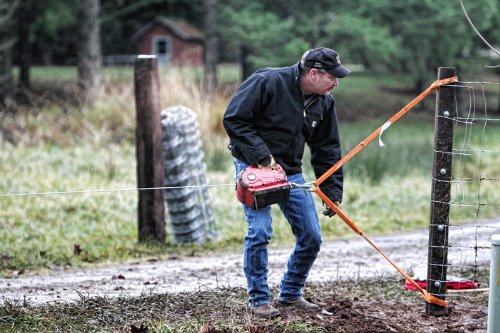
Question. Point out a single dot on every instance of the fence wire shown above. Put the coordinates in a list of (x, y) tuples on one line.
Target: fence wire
[(475, 199)]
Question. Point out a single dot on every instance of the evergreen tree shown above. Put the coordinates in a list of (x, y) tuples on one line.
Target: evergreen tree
[(6, 82)]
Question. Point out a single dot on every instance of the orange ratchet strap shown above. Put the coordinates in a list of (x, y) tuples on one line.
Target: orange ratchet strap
[(428, 297), (391, 121)]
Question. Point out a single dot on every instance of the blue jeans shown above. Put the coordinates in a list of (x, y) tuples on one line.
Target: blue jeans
[(301, 214)]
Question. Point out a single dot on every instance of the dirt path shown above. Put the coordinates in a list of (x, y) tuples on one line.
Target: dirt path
[(341, 259)]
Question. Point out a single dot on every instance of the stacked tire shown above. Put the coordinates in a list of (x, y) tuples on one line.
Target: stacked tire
[(187, 199)]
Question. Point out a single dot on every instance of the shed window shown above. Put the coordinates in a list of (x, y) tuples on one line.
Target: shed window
[(162, 48)]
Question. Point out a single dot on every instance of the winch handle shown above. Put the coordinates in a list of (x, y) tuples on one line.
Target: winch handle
[(305, 186)]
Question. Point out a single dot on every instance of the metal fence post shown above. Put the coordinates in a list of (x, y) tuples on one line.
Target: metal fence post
[(149, 151), (494, 296), (440, 196)]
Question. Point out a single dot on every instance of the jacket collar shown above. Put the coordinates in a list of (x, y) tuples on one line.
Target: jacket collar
[(296, 73)]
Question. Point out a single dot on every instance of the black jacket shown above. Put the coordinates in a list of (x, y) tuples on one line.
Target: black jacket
[(267, 116)]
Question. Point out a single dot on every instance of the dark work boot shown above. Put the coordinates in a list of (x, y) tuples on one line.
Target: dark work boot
[(301, 303), (265, 311)]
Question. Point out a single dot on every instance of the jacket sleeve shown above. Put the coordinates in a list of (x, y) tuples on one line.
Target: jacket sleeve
[(239, 119), (325, 152)]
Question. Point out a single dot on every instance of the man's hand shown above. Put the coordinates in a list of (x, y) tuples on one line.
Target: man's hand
[(329, 212), (267, 162)]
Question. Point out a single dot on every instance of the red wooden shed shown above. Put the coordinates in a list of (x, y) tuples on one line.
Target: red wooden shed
[(174, 42)]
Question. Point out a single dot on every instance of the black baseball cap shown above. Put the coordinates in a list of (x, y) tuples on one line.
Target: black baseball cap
[(326, 59)]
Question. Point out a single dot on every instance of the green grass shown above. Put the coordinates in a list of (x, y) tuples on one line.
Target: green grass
[(226, 73), (368, 98), (43, 230)]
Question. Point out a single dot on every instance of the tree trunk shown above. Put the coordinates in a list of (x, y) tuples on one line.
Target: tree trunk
[(89, 50), (246, 68), (210, 45), (6, 84), (46, 52), (24, 44)]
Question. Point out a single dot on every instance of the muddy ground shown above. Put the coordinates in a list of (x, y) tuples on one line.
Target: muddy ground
[(357, 289), (365, 306), (369, 313)]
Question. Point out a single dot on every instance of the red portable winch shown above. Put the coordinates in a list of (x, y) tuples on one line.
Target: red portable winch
[(257, 188)]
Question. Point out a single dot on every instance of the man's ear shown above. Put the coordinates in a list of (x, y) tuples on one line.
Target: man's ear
[(313, 73)]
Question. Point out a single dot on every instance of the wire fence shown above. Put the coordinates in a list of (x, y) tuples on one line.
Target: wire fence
[(474, 184)]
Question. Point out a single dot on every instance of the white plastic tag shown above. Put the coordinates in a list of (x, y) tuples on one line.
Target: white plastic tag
[(384, 127)]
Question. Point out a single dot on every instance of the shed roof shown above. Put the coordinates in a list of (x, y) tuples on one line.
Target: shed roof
[(179, 27)]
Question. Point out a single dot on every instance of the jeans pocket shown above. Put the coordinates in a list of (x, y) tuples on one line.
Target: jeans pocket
[(239, 166)]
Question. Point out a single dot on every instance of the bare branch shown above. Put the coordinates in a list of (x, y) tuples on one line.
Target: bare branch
[(478, 33)]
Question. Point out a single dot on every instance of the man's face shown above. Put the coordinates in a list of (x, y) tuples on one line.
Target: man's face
[(324, 83)]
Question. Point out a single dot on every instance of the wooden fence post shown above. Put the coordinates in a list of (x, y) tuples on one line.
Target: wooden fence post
[(440, 196), (151, 209)]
